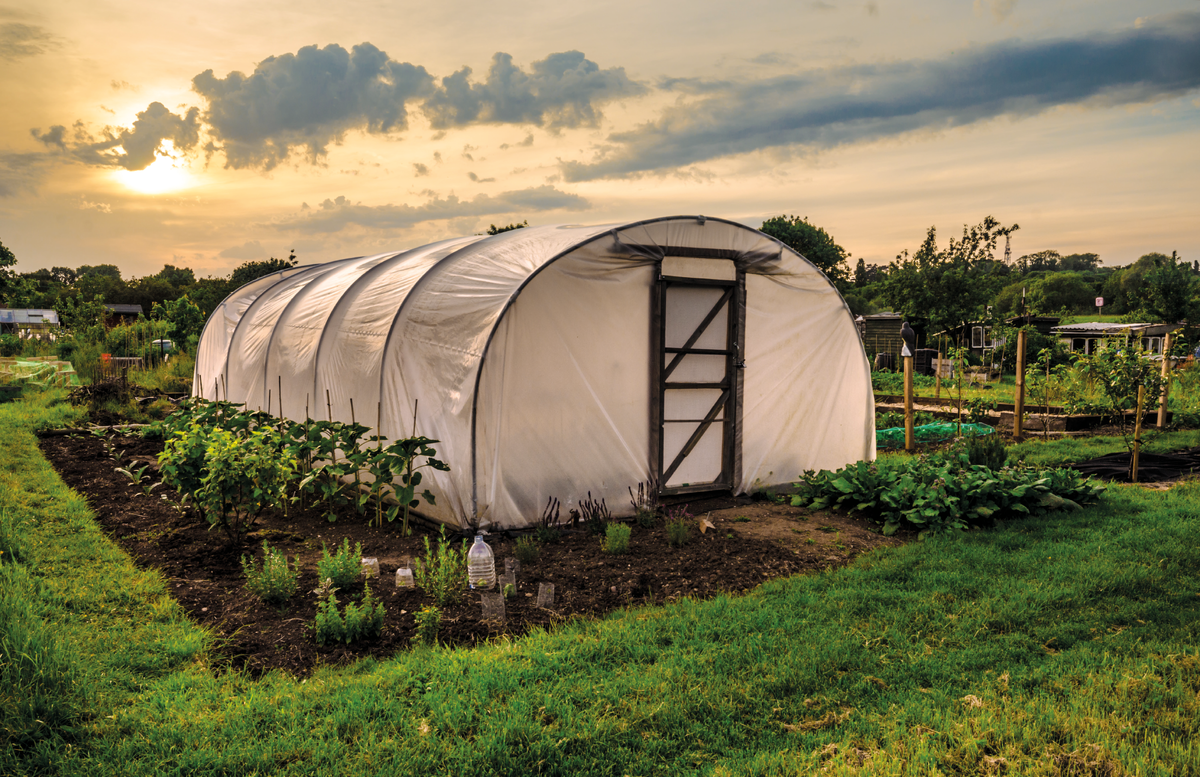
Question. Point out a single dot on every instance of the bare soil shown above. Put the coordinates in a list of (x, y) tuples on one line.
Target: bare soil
[(749, 542)]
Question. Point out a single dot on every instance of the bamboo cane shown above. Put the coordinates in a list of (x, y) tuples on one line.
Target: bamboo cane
[(1137, 437)]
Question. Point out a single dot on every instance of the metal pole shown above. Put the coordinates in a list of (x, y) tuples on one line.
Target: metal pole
[(1166, 382), (1019, 399), (908, 404)]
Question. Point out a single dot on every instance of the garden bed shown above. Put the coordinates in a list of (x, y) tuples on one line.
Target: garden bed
[(751, 542)]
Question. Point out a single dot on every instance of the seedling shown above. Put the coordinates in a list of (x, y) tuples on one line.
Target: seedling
[(616, 539)]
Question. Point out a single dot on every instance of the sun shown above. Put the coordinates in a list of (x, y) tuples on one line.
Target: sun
[(167, 173)]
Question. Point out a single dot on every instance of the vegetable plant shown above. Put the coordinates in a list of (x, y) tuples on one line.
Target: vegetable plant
[(443, 572), (243, 477), (343, 567), (274, 581)]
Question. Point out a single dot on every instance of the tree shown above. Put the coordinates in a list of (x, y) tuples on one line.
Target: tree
[(1079, 262), (252, 271), (946, 288), (865, 274), (185, 319), (1061, 291), (106, 270), (813, 243), (179, 277), (495, 230), (1170, 291), (15, 291), (1044, 261), (207, 293)]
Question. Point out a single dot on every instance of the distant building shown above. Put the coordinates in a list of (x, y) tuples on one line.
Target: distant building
[(27, 323), (120, 314), (880, 334), (1091, 337)]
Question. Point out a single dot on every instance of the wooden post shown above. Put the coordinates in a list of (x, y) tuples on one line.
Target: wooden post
[(1166, 379), (1019, 399), (1137, 437), (908, 403)]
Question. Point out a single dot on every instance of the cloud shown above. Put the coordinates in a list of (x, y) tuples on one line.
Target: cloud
[(120, 85), (526, 143), (420, 169), (693, 85), (133, 148), (24, 40), (477, 179), (20, 173), (1001, 9), (307, 100), (338, 214), (246, 251), (829, 108), (562, 90)]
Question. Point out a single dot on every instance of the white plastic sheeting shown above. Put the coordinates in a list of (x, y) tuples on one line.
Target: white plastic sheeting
[(531, 356)]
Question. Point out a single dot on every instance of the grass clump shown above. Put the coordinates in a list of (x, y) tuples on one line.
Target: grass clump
[(616, 539), (443, 572), (527, 550), (343, 567), (679, 526), (275, 580)]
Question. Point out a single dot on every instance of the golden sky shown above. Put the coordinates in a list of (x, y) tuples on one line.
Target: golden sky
[(140, 134)]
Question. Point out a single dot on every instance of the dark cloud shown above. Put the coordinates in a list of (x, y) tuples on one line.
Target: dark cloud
[(338, 214), (693, 85), (477, 179), (307, 100), (24, 40), (562, 90), (420, 169), (1157, 60), (133, 148)]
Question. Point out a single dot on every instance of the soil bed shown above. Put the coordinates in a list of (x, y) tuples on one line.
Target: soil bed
[(751, 542)]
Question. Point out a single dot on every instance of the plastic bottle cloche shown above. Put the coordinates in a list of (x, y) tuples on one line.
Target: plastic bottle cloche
[(481, 565)]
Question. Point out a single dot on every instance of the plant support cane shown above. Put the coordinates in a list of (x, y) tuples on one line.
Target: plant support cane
[(1166, 381), (1137, 437), (910, 341), (1019, 399)]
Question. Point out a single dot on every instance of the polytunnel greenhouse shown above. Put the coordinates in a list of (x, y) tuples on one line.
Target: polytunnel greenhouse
[(693, 353)]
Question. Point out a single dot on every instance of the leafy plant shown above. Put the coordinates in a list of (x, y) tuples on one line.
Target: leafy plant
[(616, 539), (140, 478), (443, 572), (429, 621), (978, 409), (242, 477), (943, 493), (986, 450), (1119, 371), (526, 550), (181, 462), (343, 567), (510, 590), (275, 580)]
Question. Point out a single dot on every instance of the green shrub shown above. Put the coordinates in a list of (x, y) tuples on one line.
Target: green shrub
[(616, 539), (443, 572), (275, 581), (985, 450), (10, 345), (343, 567), (181, 462), (429, 621), (526, 550)]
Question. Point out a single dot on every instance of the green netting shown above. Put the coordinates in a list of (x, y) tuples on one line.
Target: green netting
[(38, 372), (894, 438)]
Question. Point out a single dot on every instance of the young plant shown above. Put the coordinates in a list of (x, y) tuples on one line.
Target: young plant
[(679, 526), (526, 550), (140, 478), (510, 591), (594, 514), (548, 527), (616, 539), (429, 621), (363, 620), (275, 580), (342, 567), (443, 572), (645, 504)]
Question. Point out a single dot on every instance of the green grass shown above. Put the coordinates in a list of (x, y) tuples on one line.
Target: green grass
[(1055, 451), (1051, 643)]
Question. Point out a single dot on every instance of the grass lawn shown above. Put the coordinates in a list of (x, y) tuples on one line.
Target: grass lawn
[(1065, 644)]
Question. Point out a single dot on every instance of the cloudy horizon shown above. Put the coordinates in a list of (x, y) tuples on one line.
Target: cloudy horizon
[(1079, 123)]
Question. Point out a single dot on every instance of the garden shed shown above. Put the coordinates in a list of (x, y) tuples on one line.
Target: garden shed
[(553, 361)]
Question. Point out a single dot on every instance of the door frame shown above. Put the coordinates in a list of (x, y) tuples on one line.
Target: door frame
[(660, 356)]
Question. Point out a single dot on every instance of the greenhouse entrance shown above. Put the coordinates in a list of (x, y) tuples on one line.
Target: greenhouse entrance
[(698, 342)]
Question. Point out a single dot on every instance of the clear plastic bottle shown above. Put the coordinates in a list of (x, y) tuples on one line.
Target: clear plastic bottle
[(481, 565)]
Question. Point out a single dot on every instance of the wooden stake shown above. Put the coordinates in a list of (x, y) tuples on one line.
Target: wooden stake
[(352, 411), (328, 406), (1166, 382), (280, 378), (268, 402), (1019, 399), (908, 403), (1046, 420), (1137, 437)]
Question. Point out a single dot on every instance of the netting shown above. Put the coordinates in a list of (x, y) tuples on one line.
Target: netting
[(894, 438)]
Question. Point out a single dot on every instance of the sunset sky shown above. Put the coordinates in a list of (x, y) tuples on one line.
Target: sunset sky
[(207, 134)]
